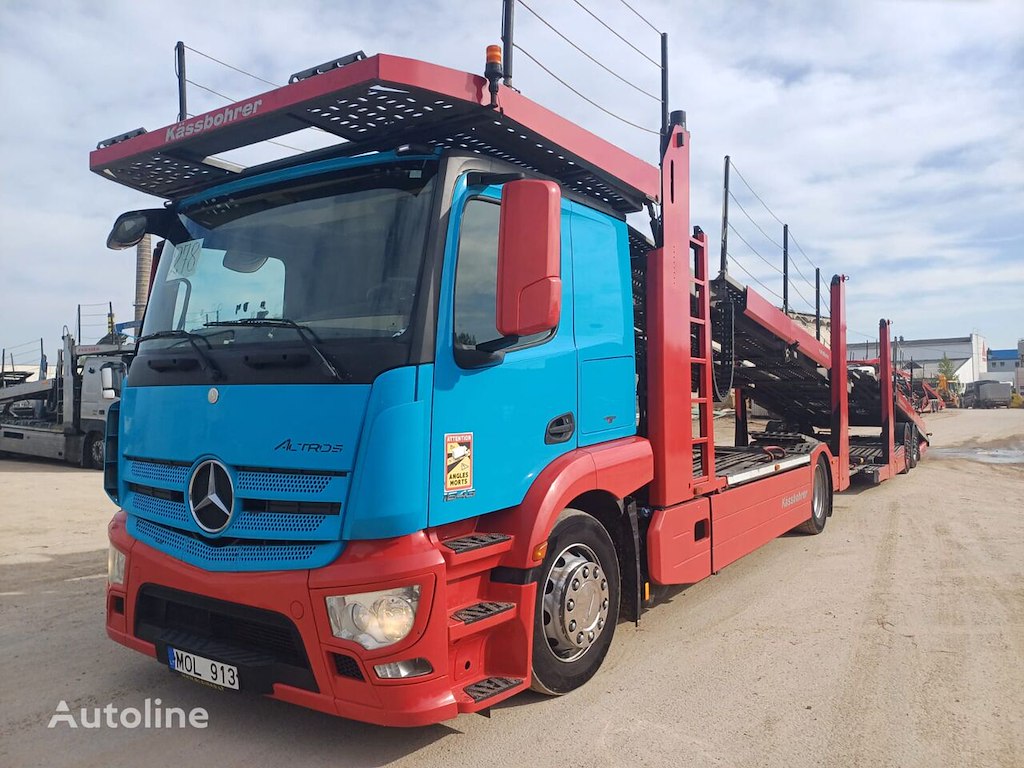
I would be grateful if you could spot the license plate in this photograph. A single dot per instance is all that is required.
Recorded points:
(201, 668)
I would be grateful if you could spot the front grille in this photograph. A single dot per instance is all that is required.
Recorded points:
(266, 481)
(164, 615)
(231, 553)
(159, 471)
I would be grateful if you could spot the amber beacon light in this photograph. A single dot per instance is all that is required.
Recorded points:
(493, 71)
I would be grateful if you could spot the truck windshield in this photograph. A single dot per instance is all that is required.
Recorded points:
(338, 254)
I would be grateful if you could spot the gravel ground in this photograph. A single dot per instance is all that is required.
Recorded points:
(894, 639)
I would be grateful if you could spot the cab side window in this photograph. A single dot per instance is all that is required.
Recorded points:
(476, 277)
(476, 274)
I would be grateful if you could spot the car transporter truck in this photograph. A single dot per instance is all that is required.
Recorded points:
(415, 419)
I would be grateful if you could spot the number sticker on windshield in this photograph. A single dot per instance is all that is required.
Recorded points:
(185, 260)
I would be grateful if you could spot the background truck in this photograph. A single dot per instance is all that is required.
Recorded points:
(416, 419)
(64, 417)
(987, 394)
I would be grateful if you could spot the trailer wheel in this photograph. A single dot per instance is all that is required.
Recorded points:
(577, 604)
(908, 448)
(821, 500)
(92, 453)
(914, 455)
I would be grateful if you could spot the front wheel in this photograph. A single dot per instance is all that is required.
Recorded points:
(821, 500)
(577, 604)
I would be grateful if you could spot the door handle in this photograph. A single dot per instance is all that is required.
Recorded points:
(560, 429)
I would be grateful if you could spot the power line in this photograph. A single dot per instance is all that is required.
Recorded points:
(603, 24)
(210, 90)
(744, 210)
(230, 66)
(232, 101)
(640, 16)
(746, 183)
(756, 252)
(740, 265)
(732, 165)
(802, 251)
(244, 72)
(25, 344)
(546, 23)
(588, 100)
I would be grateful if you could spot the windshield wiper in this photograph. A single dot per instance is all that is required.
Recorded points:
(207, 362)
(312, 341)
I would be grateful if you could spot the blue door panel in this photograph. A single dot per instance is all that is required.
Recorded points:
(603, 326)
(607, 399)
(497, 417)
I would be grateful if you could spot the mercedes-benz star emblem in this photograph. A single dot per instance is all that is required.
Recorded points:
(211, 496)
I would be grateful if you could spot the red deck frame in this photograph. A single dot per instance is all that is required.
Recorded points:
(840, 431)
(285, 110)
(669, 353)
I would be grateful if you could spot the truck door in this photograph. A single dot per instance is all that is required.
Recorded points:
(494, 428)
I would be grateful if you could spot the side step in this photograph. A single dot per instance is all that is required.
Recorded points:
(473, 553)
(475, 541)
(481, 611)
(489, 687)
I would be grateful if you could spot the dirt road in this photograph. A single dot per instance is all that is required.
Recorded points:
(894, 639)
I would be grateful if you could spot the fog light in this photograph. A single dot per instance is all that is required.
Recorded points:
(115, 565)
(374, 619)
(406, 668)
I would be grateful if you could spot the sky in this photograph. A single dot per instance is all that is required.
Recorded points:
(888, 135)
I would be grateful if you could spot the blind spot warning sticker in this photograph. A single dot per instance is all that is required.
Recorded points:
(458, 461)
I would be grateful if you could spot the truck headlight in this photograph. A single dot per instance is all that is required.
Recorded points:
(115, 565)
(374, 619)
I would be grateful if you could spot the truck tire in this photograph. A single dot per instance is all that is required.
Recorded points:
(577, 604)
(821, 500)
(92, 451)
(914, 455)
(905, 432)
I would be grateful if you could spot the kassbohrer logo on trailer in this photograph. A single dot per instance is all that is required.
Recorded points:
(205, 123)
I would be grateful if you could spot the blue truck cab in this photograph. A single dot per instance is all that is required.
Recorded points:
(312, 321)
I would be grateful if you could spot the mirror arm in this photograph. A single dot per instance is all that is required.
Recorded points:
(473, 357)
(496, 345)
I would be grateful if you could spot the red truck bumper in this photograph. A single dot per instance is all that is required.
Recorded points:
(341, 678)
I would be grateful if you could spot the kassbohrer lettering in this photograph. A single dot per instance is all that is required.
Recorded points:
(205, 123)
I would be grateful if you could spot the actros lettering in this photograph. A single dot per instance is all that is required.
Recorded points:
(302, 447)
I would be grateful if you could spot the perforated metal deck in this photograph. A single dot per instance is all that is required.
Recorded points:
(380, 103)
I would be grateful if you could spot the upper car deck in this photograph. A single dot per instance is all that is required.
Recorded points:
(783, 368)
(379, 103)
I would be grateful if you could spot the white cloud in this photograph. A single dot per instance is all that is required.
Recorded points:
(888, 135)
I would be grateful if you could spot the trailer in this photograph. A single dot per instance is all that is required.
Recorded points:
(443, 436)
(64, 418)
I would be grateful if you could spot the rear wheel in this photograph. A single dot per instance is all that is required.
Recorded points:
(92, 453)
(577, 604)
(914, 454)
(908, 446)
(821, 500)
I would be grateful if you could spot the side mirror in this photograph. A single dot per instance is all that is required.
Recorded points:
(107, 384)
(529, 258)
(131, 227)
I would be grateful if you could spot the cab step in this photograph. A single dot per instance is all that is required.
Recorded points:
(481, 611)
(474, 553)
(490, 687)
(473, 541)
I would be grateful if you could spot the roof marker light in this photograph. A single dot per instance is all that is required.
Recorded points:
(493, 72)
